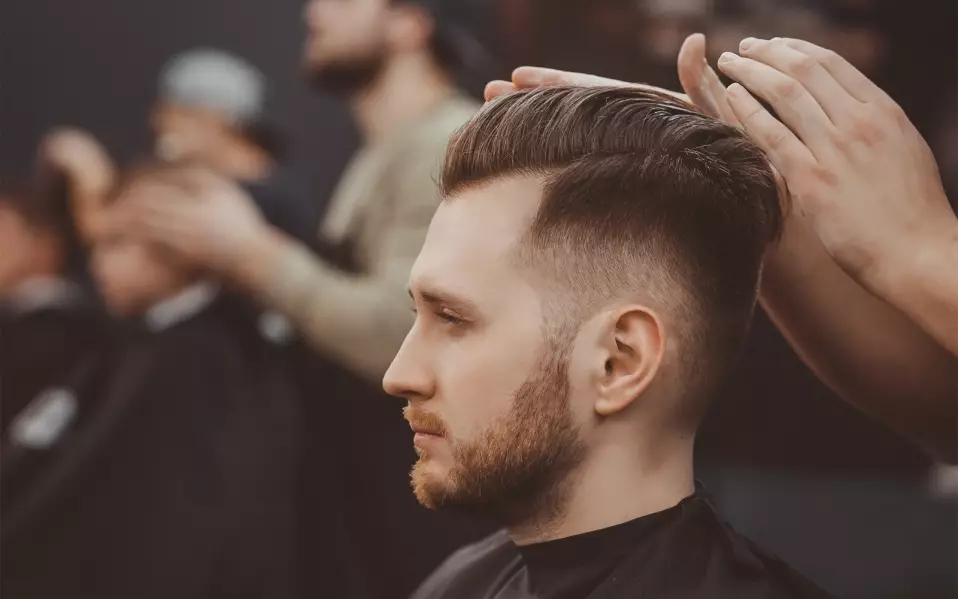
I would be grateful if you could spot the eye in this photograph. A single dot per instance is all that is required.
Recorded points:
(448, 318)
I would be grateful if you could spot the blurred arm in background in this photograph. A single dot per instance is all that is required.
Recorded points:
(358, 319)
(89, 171)
(863, 284)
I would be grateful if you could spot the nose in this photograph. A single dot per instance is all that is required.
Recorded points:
(409, 376)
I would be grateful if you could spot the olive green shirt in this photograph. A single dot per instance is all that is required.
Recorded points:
(383, 206)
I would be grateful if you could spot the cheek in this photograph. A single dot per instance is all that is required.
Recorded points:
(478, 378)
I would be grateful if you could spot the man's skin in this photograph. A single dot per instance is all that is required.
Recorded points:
(89, 171)
(863, 283)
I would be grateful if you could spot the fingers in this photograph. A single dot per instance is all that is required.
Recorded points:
(850, 78)
(497, 88)
(158, 213)
(791, 101)
(701, 82)
(692, 66)
(785, 151)
(532, 77)
(834, 99)
(527, 77)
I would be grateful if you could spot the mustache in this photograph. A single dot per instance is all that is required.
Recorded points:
(424, 421)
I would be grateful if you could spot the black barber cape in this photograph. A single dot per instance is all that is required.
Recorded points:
(684, 552)
(179, 481)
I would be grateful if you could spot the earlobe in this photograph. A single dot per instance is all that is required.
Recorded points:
(634, 351)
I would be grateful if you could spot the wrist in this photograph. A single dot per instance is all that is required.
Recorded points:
(915, 261)
(256, 259)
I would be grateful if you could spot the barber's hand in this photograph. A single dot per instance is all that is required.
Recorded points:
(203, 217)
(856, 167)
(82, 159)
(532, 77)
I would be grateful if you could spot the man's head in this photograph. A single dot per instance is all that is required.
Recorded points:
(131, 273)
(33, 236)
(350, 42)
(584, 286)
(211, 106)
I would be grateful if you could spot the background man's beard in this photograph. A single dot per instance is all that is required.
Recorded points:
(347, 76)
(518, 470)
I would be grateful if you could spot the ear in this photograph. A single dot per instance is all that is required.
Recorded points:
(634, 344)
(410, 27)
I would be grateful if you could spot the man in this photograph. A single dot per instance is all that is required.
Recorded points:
(390, 60)
(177, 477)
(585, 286)
(50, 327)
(394, 61)
(861, 284)
(214, 108)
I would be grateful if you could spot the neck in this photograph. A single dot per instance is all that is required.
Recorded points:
(619, 481)
(408, 87)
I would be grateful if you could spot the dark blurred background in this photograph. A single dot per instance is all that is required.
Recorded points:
(841, 498)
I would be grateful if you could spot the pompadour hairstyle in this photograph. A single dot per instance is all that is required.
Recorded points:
(643, 197)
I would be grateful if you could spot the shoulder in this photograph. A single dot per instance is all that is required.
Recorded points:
(467, 567)
(739, 567)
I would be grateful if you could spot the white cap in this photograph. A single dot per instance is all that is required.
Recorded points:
(215, 80)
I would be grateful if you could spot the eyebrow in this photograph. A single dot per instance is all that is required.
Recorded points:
(433, 297)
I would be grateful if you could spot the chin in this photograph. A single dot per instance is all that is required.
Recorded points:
(430, 483)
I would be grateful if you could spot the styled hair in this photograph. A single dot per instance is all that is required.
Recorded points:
(643, 197)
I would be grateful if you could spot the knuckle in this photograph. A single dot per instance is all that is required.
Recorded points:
(803, 67)
(788, 90)
(777, 140)
(829, 59)
(895, 114)
(822, 176)
(868, 128)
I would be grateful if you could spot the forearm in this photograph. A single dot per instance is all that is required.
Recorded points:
(922, 282)
(358, 321)
(868, 352)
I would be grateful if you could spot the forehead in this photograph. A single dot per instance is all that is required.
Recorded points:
(473, 233)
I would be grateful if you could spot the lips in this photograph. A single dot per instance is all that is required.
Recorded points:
(424, 423)
(422, 430)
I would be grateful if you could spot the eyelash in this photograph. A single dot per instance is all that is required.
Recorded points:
(445, 317)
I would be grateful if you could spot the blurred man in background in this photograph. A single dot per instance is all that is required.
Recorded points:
(48, 321)
(394, 61)
(177, 479)
(213, 109)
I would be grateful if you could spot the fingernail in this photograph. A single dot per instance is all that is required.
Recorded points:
(747, 44)
(727, 58)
